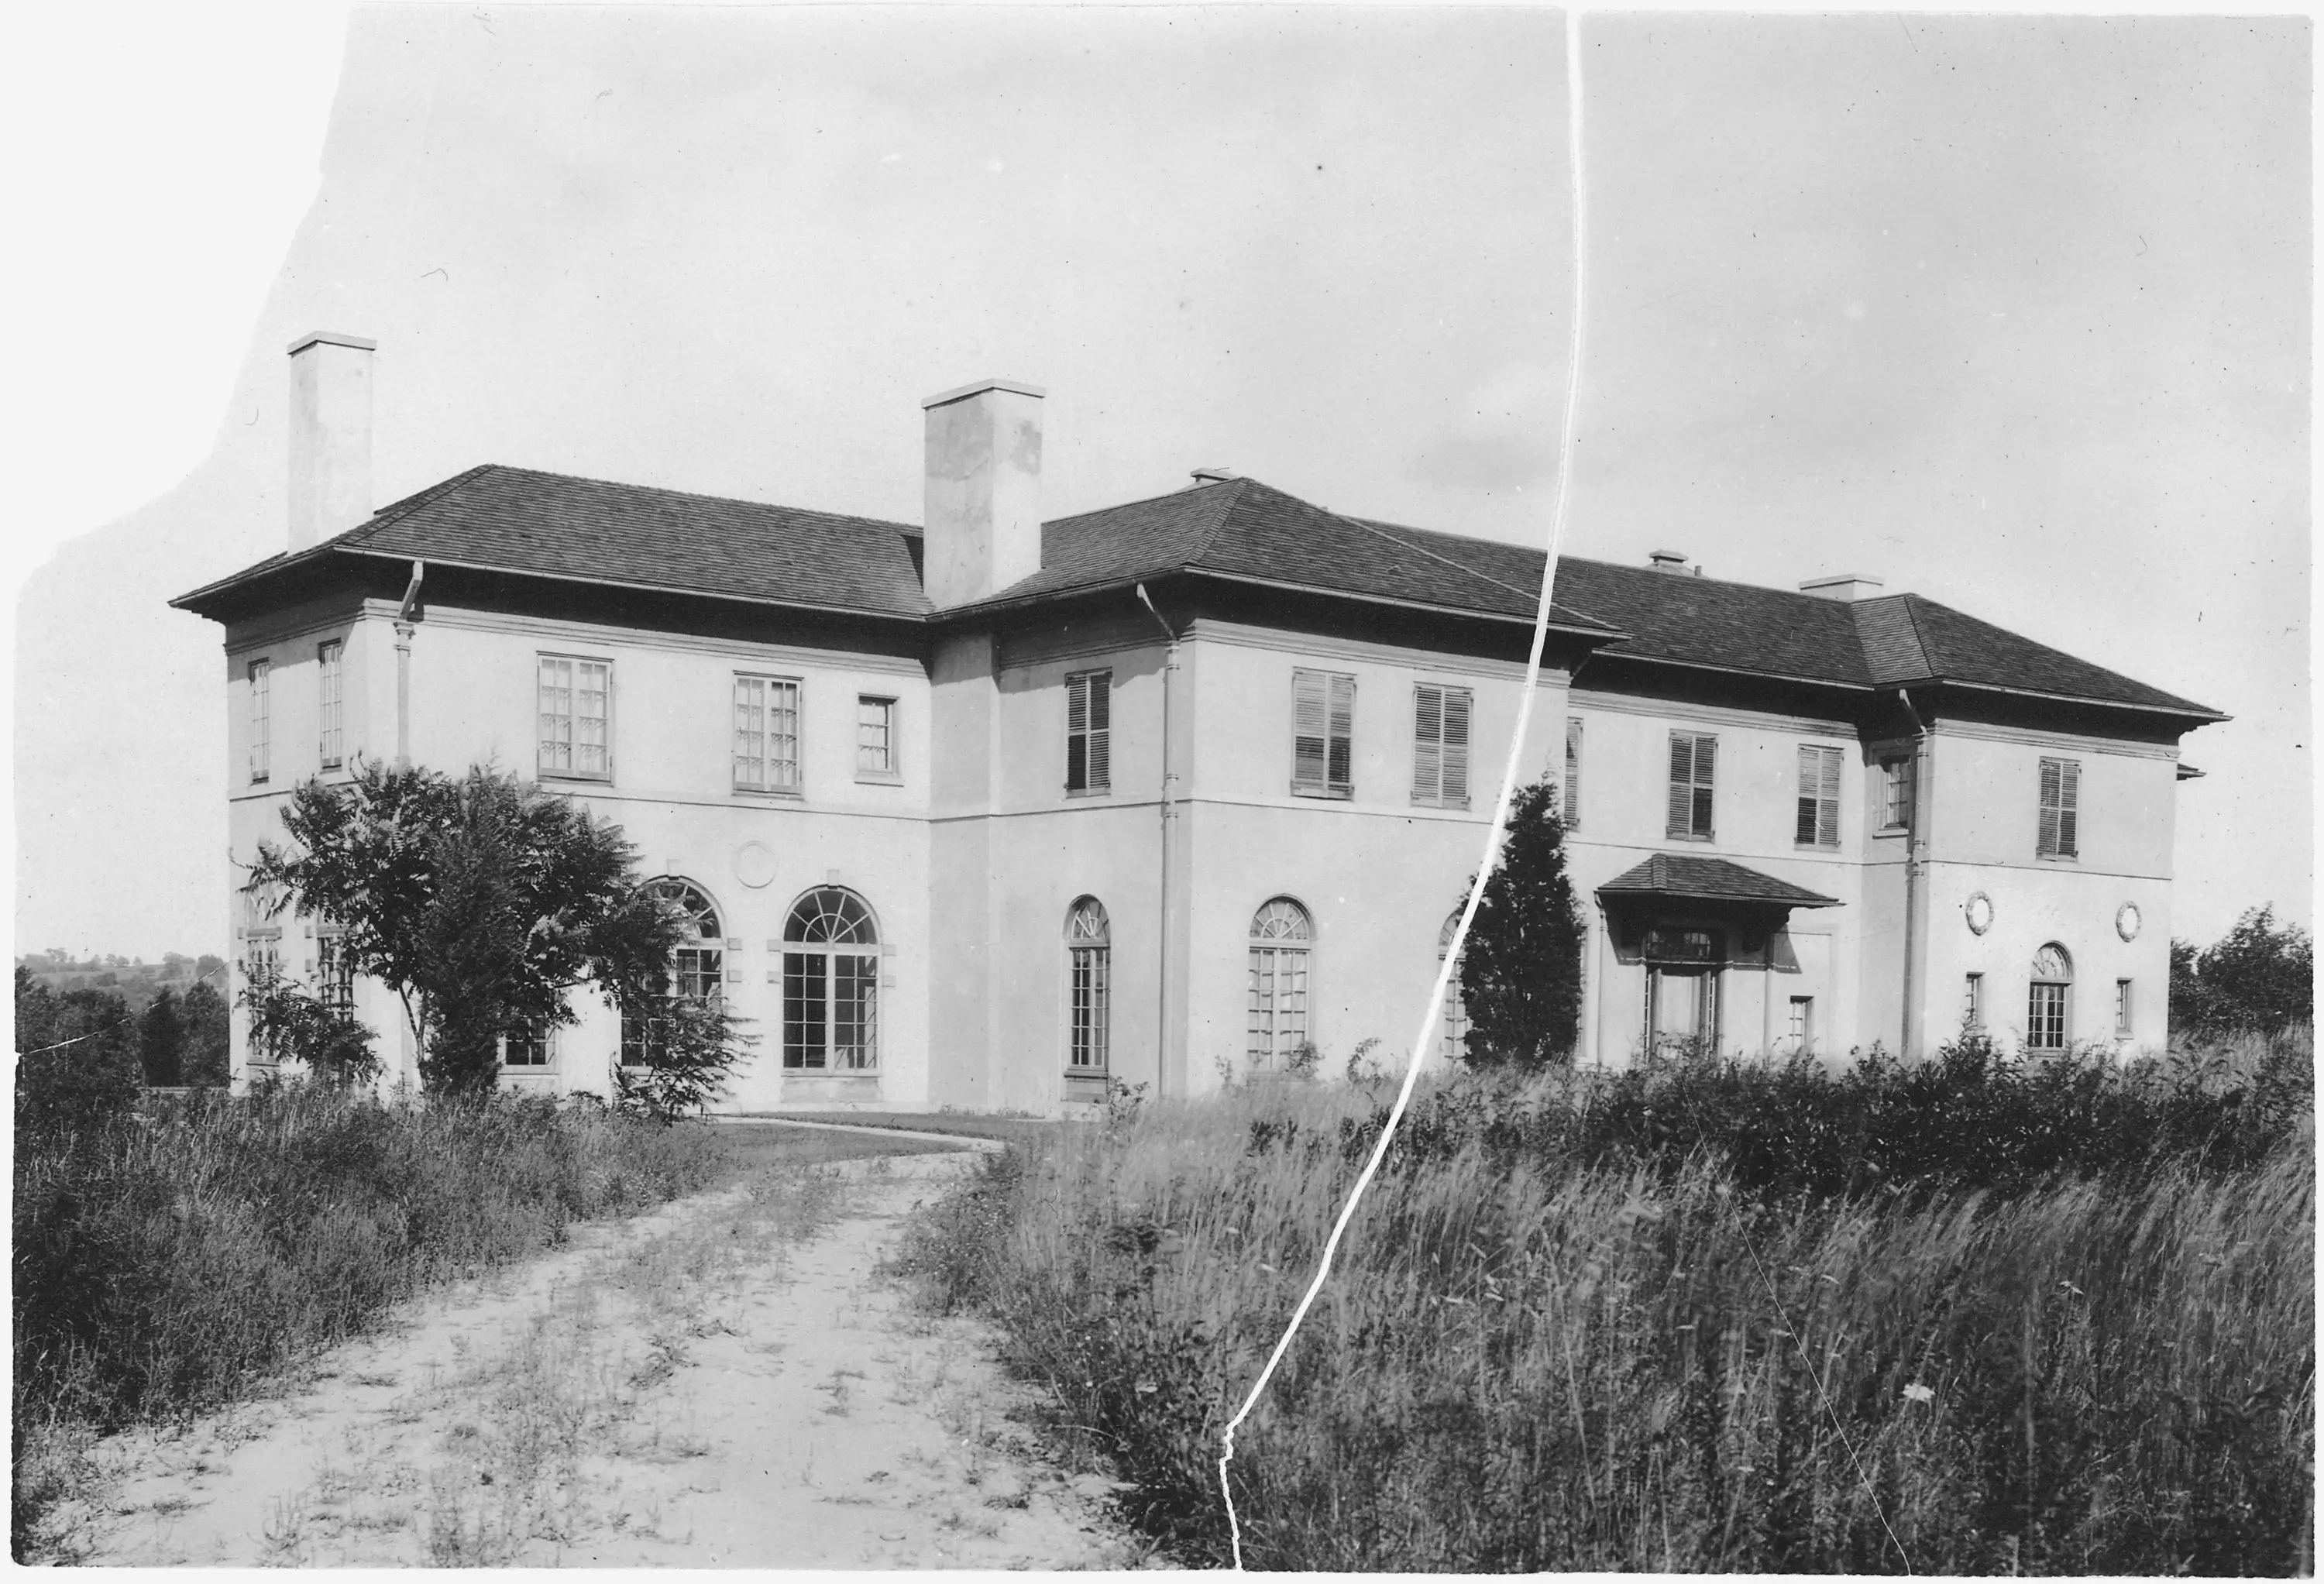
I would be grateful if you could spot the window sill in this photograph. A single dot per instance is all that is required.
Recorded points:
(878, 777)
(1891, 832)
(2057, 858)
(1460, 807)
(787, 794)
(1683, 836)
(1332, 794)
(581, 776)
(1815, 847)
(1104, 791)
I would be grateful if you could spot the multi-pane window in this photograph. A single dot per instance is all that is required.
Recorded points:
(1818, 825)
(1896, 794)
(1694, 759)
(875, 735)
(576, 717)
(831, 985)
(1089, 731)
(2122, 1008)
(766, 734)
(1088, 967)
(1280, 940)
(1440, 745)
(528, 1046)
(1456, 1005)
(334, 975)
(1322, 734)
(695, 974)
(1973, 1002)
(262, 727)
(262, 932)
(1802, 1028)
(2046, 998)
(2062, 796)
(330, 700)
(1569, 806)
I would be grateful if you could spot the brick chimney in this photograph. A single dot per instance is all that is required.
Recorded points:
(1668, 561)
(1846, 586)
(981, 500)
(330, 435)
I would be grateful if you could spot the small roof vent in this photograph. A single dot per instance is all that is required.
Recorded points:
(1668, 561)
(1848, 586)
(1215, 475)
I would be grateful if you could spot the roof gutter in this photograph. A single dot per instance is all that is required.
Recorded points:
(406, 624)
(1916, 859)
(1170, 832)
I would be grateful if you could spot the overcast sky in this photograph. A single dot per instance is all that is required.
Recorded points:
(2011, 312)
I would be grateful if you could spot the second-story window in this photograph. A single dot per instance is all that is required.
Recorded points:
(766, 734)
(1569, 806)
(2061, 797)
(576, 717)
(1089, 731)
(1694, 759)
(261, 726)
(1818, 825)
(875, 736)
(329, 696)
(1896, 794)
(1440, 745)
(1322, 734)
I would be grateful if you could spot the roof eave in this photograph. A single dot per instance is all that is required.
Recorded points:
(2184, 710)
(1744, 671)
(1659, 894)
(598, 581)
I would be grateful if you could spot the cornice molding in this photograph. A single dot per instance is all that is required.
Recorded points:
(605, 634)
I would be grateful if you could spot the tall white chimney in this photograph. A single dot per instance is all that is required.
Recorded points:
(981, 501)
(330, 435)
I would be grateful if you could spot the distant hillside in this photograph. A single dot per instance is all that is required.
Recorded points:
(133, 980)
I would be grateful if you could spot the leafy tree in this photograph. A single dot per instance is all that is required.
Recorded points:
(2260, 975)
(480, 900)
(75, 1057)
(205, 1059)
(1521, 969)
(292, 1025)
(160, 1040)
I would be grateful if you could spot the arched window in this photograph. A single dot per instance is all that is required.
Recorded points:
(697, 969)
(1456, 1007)
(831, 983)
(1089, 976)
(1280, 939)
(2048, 998)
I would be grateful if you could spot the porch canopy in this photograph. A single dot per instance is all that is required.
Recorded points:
(1678, 884)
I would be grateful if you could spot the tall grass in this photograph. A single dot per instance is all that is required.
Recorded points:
(1548, 1348)
(164, 1265)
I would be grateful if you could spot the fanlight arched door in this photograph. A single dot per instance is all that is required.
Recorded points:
(1282, 936)
(2049, 1000)
(831, 983)
(1089, 979)
(1456, 1006)
(697, 969)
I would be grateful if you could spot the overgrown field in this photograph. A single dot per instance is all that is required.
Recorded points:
(166, 1265)
(1971, 1318)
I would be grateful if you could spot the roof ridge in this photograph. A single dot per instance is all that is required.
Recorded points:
(614, 484)
(1229, 484)
(396, 510)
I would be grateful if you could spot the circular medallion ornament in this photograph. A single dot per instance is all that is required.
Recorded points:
(754, 864)
(2126, 920)
(1979, 911)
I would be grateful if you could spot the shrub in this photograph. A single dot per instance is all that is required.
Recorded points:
(76, 1065)
(2261, 975)
(1521, 969)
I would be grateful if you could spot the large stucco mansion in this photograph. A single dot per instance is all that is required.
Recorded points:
(988, 811)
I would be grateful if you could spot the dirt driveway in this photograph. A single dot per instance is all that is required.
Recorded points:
(699, 1387)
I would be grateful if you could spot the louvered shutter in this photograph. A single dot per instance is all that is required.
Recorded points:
(1827, 799)
(1076, 733)
(1811, 775)
(2045, 842)
(2070, 797)
(1343, 732)
(1428, 744)
(1309, 712)
(1706, 752)
(1571, 808)
(1101, 728)
(1456, 747)
(1682, 785)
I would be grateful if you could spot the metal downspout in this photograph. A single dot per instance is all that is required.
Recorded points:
(1169, 821)
(1915, 857)
(404, 628)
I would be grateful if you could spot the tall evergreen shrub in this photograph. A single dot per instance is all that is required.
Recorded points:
(1521, 969)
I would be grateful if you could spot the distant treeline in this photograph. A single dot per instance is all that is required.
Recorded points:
(83, 1053)
(136, 980)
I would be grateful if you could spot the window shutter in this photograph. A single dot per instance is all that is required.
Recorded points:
(1827, 799)
(1572, 808)
(2045, 842)
(1682, 785)
(1100, 686)
(1308, 723)
(1343, 730)
(1077, 733)
(1428, 744)
(1706, 751)
(750, 731)
(1804, 829)
(2070, 797)
(1456, 747)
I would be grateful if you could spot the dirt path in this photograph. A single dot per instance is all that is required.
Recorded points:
(695, 1388)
